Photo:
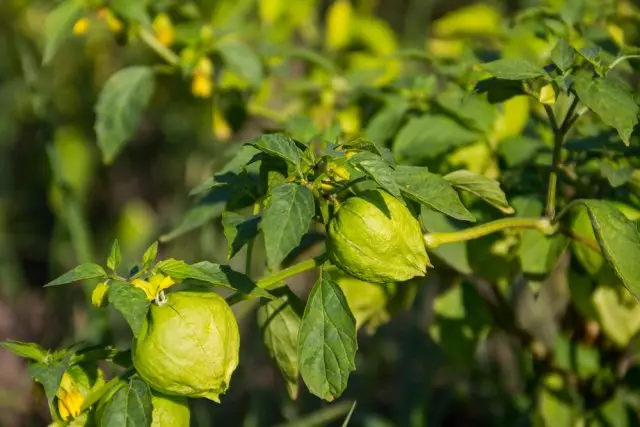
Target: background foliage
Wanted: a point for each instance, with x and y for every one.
(114, 116)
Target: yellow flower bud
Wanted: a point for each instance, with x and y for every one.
(163, 28)
(338, 25)
(70, 398)
(221, 128)
(99, 295)
(204, 67)
(81, 26)
(547, 94)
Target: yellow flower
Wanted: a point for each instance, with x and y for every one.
(145, 286)
(221, 128)
(69, 398)
(201, 86)
(204, 67)
(163, 28)
(81, 26)
(99, 295)
(158, 282)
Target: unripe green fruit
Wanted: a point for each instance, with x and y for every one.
(367, 301)
(189, 346)
(375, 238)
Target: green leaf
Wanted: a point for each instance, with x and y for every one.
(120, 106)
(27, 350)
(196, 217)
(114, 256)
(241, 60)
(576, 357)
(279, 323)
(50, 375)
(519, 150)
(486, 188)
(615, 173)
(150, 255)
(473, 109)
(539, 253)
(211, 274)
(131, 301)
(239, 231)
(453, 254)
(610, 101)
(385, 123)
(555, 405)
(619, 240)
(84, 271)
(431, 190)
(327, 340)
(131, 10)
(562, 55)
(130, 406)
(285, 220)
(428, 136)
(513, 69)
(378, 169)
(279, 145)
(58, 26)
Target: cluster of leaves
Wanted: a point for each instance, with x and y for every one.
(460, 137)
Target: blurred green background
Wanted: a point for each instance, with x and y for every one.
(60, 205)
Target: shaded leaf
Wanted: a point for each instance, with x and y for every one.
(58, 26)
(513, 69)
(50, 375)
(610, 101)
(120, 107)
(239, 231)
(486, 188)
(327, 340)
(131, 301)
(279, 323)
(619, 240)
(84, 271)
(562, 54)
(384, 124)
(114, 256)
(130, 406)
(431, 190)
(241, 60)
(429, 136)
(285, 220)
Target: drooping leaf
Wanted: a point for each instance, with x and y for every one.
(610, 101)
(280, 145)
(120, 106)
(513, 69)
(211, 274)
(378, 169)
(27, 350)
(486, 188)
(327, 340)
(84, 271)
(239, 231)
(58, 27)
(130, 406)
(431, 190)
(131, 301)
(279, 323)
(619, 240)
(114, 256)
(562, 54)
(241, 60)
(285, 220)
(50, 375)
(429, 136)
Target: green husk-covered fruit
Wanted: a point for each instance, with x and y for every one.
(367, 301)
(375, 238)
(188, 346)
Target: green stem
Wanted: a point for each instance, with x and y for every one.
(249, 258)
(553, 175)
(166, 53)
(277, 277)
(433, 240)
